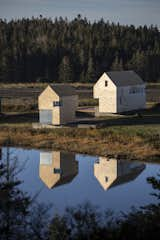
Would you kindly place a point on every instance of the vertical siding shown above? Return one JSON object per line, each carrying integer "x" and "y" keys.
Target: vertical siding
{"x": 105, "y": 172}
{"x": 69, "y": 165}
{"x": 114, "y": 99}
{"x": 68, "y": 109}
{"x": 65, "y": 162}
{"x": 107, "y": 95}
{"x": 45, "y": 102}
{"x": 49, "y": 161}
{"x": 62, "y": 114}
{"x": 108, "y": 102}
{"x": 127, "y": 101}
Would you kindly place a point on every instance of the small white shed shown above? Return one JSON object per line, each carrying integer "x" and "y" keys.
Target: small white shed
{"x": 57, "y": 104}
{"x": 120, "y": 91}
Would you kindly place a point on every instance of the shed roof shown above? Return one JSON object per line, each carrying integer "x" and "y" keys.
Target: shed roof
{"x": 125, "y": 78}
{"x": 63, "y": 89}
{"x": 128, "y": 177}
{"x": 64, "y": 180}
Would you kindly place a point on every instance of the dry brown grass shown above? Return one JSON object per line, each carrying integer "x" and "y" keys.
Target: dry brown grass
{"x": 101, "y": 142}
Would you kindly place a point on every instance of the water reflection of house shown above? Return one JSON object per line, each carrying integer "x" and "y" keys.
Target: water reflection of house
{"x": 0, "y": 153}
{"x": 112, "y": 172}
{"x": 57, "y": 168}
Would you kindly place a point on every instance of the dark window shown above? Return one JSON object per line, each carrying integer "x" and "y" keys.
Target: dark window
{"x": 57, "y": 104}
{"x": 136, "y": 90}
{"x": 106, "y": 179}
{"x": 57, "y": 170}
{"x": 97, "y": 161}
{"x": 106, "y": 83}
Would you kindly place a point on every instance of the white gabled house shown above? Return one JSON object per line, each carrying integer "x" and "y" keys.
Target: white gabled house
{"x": 119, "y": 91}
{"x": 57, "y": 104}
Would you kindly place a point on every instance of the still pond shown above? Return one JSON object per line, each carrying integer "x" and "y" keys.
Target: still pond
{"x": 67, "y": 179}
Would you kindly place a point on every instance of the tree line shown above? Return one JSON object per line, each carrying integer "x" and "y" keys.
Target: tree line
{"x": 40, "y": 49}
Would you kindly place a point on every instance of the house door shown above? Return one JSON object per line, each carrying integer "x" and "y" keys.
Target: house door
{"x": 45, "y": 116}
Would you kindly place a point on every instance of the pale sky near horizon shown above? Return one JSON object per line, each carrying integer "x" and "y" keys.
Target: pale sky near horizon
{"x": 136, "y": 12}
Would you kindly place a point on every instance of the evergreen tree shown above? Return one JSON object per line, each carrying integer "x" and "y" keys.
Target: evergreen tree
{"x": 65, "y": 70}
{"x": 14, "y": 204}
{"x": 39, "y": 48}
{"x": 117, "y": 65}
{"x": 20, "y": 216}
{"x": 139, "y": 63}
{"x": 90, "y": 74}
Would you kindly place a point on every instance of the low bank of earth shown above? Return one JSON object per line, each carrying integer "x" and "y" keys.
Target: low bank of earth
{"x": 132, "y": 142}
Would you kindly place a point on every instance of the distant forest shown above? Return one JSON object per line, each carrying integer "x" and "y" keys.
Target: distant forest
{"x": 40, "y": 49}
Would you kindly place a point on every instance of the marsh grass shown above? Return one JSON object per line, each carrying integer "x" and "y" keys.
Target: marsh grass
{"x": 130, "y": 135}
{"x": 135, "y": 142}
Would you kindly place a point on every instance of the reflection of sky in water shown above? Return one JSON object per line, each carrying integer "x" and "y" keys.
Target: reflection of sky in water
{"x": 84, "y": 186}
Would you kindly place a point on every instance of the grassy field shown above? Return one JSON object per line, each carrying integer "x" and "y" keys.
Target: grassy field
{"x": 135, "y": 135}
{"x": 133, "y": 142}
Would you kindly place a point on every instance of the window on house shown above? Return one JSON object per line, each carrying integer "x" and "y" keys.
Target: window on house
{"x": 106, "y": 179}
{"x": 57, "y": 104}
{"x": 106, "y": 83}
{"x": 57, "y": 171}
{"x": 135, "y": 90}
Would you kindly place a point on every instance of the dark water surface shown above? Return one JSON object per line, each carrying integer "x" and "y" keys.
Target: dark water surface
{"x": 67, "y": 179}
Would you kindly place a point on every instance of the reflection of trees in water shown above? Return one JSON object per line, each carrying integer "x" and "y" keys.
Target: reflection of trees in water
{"x": 23, "y": 218}
{"x": 86, "y": 222}
{"x": 20, "y": 216}
{"x": 0, "y": 153}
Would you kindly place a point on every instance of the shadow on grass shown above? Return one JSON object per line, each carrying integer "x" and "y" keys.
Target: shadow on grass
{"x": 19, "y": 117}
{"x": 139, "y": 117}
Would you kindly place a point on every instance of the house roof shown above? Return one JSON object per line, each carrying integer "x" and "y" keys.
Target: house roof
{"x": 125, "y": 78}
{"x": 128, "y": 177}
{"x": 63, "y": 89}
{"x": 64, "y": 180}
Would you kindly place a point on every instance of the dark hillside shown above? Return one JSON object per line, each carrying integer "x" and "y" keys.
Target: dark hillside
{"x": 39, "y": 49}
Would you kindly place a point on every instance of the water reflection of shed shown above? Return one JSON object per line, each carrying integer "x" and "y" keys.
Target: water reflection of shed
{"x": 57, "y": 168}
{"x": 0, "y": 153}
{"x": 113, "y": 172}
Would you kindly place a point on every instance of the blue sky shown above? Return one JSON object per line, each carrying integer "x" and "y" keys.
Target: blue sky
{"x": 137, "y": 12}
